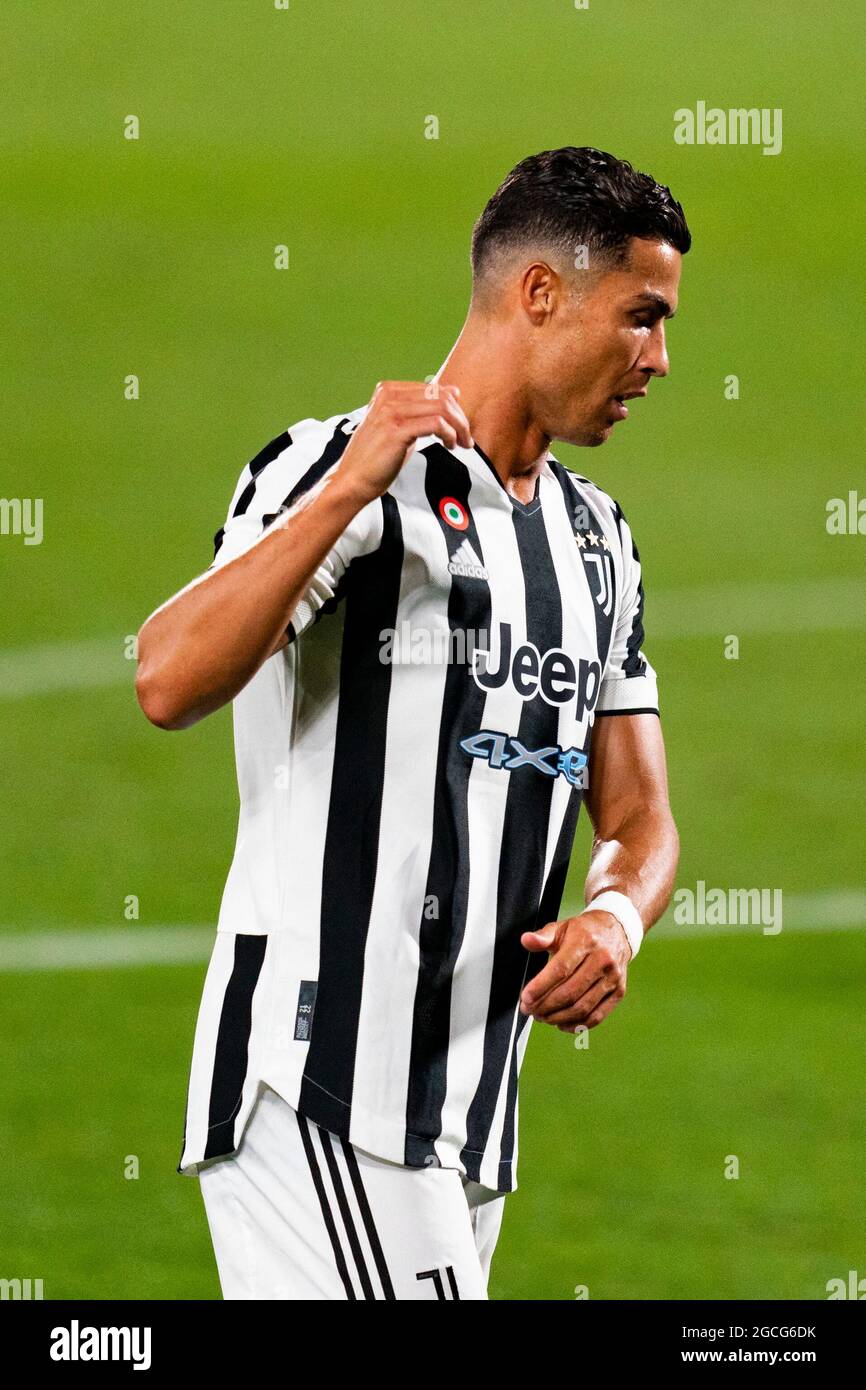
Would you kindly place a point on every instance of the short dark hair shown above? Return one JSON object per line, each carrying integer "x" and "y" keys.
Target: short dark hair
{"x": 577, "y": 196}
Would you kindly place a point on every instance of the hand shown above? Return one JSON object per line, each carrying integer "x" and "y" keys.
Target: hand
{"x": 400, "y": 413}
{"x": 585, "y": 976}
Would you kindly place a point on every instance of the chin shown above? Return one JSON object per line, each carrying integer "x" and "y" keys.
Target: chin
{"x": 586, "y": 438}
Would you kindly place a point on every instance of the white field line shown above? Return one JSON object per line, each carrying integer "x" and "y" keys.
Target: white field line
{"x": 808, "y": 605}
{"x": 101, "y": 948}
{"x": 842, "y": 909}
{"x": 819, "y": 605}
{"x": 57, "y": 666}
{"x": 98, "y": 948}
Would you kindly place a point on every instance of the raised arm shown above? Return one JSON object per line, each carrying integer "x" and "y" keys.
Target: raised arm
{"x": 200, "y": 649}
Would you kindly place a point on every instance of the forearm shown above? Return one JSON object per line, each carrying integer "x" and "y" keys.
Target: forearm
{"x": 638, "y": 858}
{"x": 199, "y": 649}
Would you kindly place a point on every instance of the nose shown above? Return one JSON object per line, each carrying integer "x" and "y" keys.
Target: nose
{"x": 655, "y": 359}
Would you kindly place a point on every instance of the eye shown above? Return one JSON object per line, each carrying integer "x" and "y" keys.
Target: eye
{"x": 643, "y": 320}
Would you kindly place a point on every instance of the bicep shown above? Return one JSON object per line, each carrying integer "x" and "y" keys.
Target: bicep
{"x": 627, "y": 770}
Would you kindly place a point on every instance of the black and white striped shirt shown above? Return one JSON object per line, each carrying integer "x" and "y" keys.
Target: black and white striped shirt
{"x": 410, "y": 770}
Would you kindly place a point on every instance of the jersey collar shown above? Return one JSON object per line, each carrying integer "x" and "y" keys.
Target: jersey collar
{"x": 481, "y": 465}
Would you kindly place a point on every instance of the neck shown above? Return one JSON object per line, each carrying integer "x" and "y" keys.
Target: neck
{"x": 485, "y": 364}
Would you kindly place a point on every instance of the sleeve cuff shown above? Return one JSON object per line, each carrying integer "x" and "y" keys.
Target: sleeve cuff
{"x": 628, "y": 695}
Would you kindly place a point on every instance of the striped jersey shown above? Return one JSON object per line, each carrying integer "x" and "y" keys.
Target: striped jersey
{"x": 410, "y": 766}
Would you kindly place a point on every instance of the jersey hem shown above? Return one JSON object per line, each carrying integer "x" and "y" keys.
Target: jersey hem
{"x": 363, "y": 1130}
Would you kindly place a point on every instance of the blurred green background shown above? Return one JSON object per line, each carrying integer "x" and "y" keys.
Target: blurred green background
{"x": 305, "y": 127}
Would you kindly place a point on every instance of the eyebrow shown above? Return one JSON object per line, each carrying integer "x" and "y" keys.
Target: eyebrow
{"x": 659, "y": 301}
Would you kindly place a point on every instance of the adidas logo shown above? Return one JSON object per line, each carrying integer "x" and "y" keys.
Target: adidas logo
{"x": 466, "y": 563}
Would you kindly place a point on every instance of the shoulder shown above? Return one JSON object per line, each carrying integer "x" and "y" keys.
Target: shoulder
{"x": 603, "y": 508}
{"x": 286, "y": 467}
{"x": 307, "y": 440}
{"x": 294, "y": 459}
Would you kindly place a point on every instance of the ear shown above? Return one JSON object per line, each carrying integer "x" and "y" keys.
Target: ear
{"x": 541, "y": 288}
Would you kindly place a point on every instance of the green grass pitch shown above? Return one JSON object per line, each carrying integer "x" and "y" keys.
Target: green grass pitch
{"x": 305, "y": 127}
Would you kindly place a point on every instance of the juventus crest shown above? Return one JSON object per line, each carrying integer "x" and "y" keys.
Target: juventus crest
{"x": 595, "y": 553}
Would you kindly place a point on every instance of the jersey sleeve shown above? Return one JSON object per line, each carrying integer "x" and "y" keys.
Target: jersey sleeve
{"x": 290, "y": 467}
{"x": 629, "y": 685}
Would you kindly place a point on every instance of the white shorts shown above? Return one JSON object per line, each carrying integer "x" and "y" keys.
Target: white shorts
{"x": 298, "y": 1213}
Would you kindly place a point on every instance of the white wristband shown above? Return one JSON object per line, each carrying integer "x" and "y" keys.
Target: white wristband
{"x": 625, "y": 912}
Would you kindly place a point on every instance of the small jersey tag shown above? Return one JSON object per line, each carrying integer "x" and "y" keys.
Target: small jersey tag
{"x": 306, "y": 1005}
